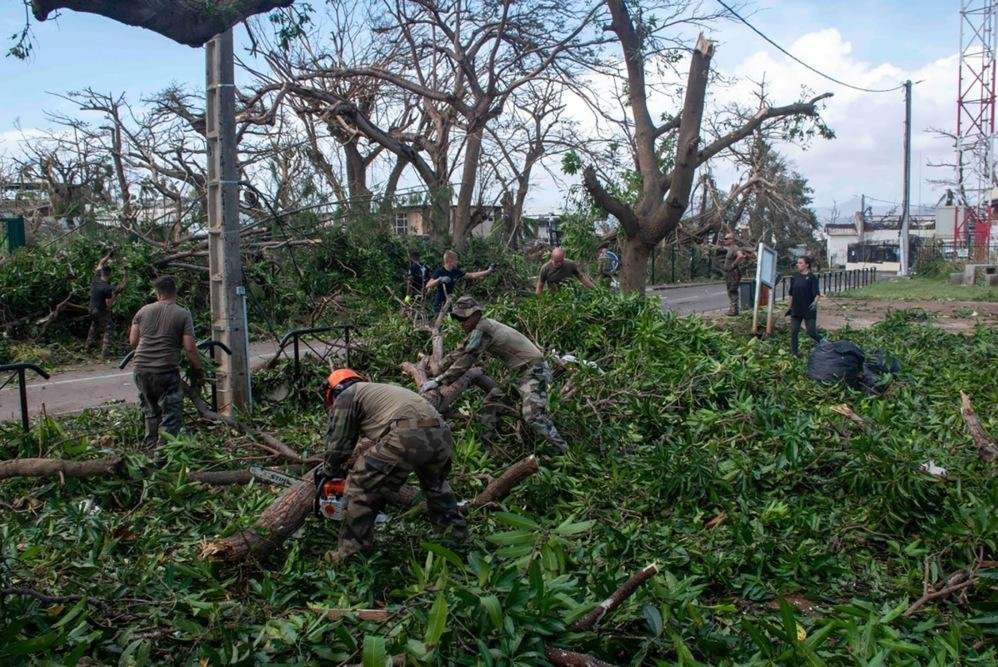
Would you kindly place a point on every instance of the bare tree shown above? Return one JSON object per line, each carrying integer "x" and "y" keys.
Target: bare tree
{"x": 665, "y": 188}
{"x": 463, "y": 60}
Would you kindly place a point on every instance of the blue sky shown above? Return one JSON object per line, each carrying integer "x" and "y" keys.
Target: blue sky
{"x": 875, "y": 42}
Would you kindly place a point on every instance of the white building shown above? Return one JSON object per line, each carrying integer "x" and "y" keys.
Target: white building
{"x": 875, "y": 242}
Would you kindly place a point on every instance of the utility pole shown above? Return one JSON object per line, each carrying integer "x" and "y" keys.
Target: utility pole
{"x": 906, "y": 198}
{"x": 228, "y": 307}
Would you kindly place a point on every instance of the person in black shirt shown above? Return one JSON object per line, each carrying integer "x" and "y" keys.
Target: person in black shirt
{"x": 446, "y": 277}
{"x": 417, "y": 276}
{"x": 101, "y": 297}
{"x": 803, "y": 301}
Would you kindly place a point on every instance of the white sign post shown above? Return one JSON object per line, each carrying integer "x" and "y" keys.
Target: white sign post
{"x": 765, "y": 274}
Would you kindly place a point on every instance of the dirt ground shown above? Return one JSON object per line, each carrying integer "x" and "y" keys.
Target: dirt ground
{"x": 834, "y": 314}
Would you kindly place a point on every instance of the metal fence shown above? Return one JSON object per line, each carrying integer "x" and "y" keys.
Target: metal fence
{"x": 834, "y": 281}
{"x": 960, "y": 252}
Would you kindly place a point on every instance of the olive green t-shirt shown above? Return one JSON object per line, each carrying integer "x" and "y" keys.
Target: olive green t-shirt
{"x": 554, "y": 275}
{"x": 162, "y": 327}
{"x": 515, "y": 349}
{"x": 382, "y": 404}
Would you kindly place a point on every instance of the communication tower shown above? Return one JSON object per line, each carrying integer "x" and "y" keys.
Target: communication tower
{"x": 975, "y": 124}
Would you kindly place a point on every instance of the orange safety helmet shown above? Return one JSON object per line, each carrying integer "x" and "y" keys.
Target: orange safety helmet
{"x": 335, "y": 379}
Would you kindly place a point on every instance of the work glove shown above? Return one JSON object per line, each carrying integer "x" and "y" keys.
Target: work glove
{"x": 787, "y": 314}
{"x": 429, "y": 385}
{"x": 196, "y": 378}
{"x": 446, "y": 280}
{"x": 814, "y": 306}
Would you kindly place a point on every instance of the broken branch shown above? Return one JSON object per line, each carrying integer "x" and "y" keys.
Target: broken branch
{"x": 608, "y": 605}
{"x": 501, "y": 486}
{"x": 269, "y": 442}
{"x": 562, "y": 658}
{"x": 106, "y": 467}
{"x": 986, "y": 447}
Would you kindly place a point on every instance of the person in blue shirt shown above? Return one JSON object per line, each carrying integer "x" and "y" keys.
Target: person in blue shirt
{"x": 803, "y": 301}
{"x": 445, "y": 279}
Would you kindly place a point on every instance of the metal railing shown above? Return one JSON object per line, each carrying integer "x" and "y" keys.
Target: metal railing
{"x": 834, "y": 281}
{"x": 19, "y": 370}
{"x": 299, "y": 336}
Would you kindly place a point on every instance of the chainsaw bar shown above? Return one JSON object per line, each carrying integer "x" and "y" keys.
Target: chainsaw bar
{"x": 273, "y": 476}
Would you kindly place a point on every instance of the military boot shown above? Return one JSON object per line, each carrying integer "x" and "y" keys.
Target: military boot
{"x": 152, "y": 432}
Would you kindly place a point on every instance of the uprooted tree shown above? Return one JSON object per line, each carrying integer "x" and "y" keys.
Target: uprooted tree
{"x": 665, "y": 188}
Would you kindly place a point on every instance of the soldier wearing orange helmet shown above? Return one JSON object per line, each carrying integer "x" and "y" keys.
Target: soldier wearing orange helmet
{"x": 410, "y": 436}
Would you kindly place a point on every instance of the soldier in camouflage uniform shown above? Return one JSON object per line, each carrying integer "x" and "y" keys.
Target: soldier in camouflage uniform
{"x": 518, "y": 353}
{"x": 410, "y": 436}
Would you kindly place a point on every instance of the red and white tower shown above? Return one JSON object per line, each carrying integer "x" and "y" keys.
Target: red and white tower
{"x": 975, "y": 123}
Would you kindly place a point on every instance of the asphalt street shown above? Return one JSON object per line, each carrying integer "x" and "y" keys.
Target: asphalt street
{"x": 90, "y": 386}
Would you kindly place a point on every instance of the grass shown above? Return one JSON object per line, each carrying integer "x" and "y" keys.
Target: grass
{"x": 923, "y": 289}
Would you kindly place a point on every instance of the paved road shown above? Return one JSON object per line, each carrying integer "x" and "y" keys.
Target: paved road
{"x": 91, "y": 386}
{"x": 693, "y": 299}
{"x": 88, "y": 386}
{"x": 708, "y": 296}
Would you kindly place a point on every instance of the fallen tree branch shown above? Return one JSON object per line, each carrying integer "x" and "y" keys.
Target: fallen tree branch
{"x": 502, "y": 485}
{"x": 562, "y": 658}
{"x": 957, "y": 581}
{"x": 282, "y": 518}
{"x": 847, "y": 412}
{"x": 375, "y": 615}
{"x": 608, "y": 605}
{"x": 106, "y": 467}
{"x": 986, "y": 447}
{"x": 271, "y": 443}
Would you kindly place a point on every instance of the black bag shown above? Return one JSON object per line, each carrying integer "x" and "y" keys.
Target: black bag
{"x": 878, "y": 370}
{"x": 838, "y": 361}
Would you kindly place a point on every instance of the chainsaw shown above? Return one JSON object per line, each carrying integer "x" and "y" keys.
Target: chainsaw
{"x": 329, "y": 504}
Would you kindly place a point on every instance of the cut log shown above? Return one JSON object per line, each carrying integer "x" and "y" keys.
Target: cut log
{"x": 986, "y": 447}
{"x": 501, "y": 486}
{"x": 562, "y": 658}
{"x": 607, "y": 606}
{"x": 269, "y": 442}
{"x": 284, "y": 516}
{"x": 111, "y": 466}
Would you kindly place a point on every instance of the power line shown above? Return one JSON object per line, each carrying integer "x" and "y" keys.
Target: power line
{"x": 801, "y": 62}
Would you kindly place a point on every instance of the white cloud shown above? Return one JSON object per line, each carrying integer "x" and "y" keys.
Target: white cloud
{"x": 866, "y": 155}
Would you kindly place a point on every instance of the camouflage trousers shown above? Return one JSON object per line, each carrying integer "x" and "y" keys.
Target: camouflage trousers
{"x": 162, "y": 400}
{"x": 100, "y": 324}
{"x": 731, "y": 281}
{"x": 533, "y": 387}
{"x": 382, "y": 471}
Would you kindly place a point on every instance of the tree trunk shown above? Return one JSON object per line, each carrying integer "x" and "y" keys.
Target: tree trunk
{"x": 462, "y": 214}
{"x": 107, "y": 467}
{"x": 437, "y": 224}
{"x": 634, "y": 264}
{"x": 360, "y": 195}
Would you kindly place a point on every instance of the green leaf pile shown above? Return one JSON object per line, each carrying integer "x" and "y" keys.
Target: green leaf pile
{"x": 785, "y": 533}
